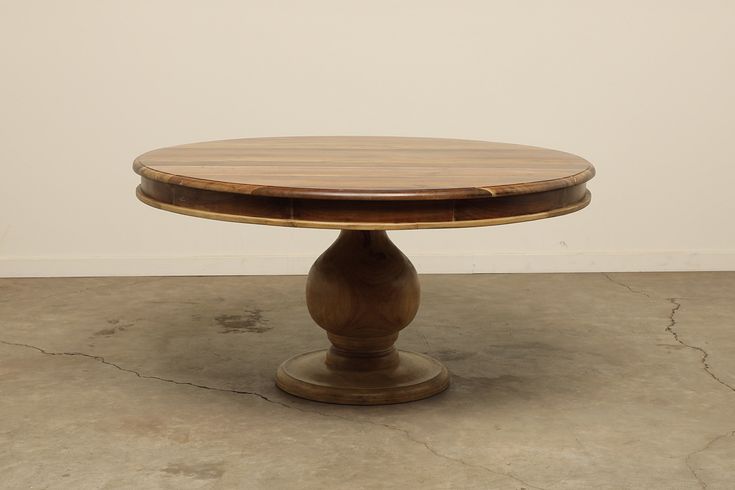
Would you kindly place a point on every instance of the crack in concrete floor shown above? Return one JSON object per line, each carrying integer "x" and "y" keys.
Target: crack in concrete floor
{"x": 705, "y": 355}
{"x": 405, "y": 432}
{"x": 627, "y": 286}
{"x": 676, "y": 306}
{"x": 709, "y": 444}
{"x": 671, "y": 328}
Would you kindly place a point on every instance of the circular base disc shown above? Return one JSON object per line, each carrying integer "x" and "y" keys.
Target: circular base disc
{"x": 417, "y": 376}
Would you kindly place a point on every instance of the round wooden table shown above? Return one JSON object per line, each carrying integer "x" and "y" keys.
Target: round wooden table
{"x": 363, "y": 290}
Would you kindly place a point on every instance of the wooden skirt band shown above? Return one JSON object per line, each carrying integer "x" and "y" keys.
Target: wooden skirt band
{"x": 362, "y": 214}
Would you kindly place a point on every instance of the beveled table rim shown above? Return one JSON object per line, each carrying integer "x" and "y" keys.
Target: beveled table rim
{"x": 480, "y": 191}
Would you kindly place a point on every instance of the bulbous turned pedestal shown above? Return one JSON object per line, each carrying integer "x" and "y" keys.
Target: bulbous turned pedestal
{"x": 362, "y": 290}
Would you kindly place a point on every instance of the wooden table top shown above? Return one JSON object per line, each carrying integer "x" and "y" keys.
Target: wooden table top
{"x": 361, "y": 182}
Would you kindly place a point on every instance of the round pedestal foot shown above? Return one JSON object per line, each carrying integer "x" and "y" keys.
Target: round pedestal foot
{"x": 416, "y": 376}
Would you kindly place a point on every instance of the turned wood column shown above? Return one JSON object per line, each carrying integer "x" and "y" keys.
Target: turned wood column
{"x": 362, "y": 290}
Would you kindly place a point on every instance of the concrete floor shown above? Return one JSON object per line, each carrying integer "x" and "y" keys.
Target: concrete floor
{"x": 559, "y": 381}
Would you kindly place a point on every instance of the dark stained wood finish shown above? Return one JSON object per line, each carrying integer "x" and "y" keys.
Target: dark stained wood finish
{"x": 362, "y": 290}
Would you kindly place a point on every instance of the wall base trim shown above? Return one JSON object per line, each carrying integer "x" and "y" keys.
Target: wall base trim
{"x": 427, "y": 263}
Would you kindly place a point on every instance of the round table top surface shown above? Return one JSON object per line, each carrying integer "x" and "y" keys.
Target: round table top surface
{"x": 364, "y": 182}
{"x": 365, "y": 167}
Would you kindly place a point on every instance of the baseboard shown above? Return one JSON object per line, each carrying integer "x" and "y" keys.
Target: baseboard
{"x": 427, "y": 263}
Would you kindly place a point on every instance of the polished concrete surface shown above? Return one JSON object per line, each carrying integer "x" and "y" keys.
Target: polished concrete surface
{"x": 559, "y": 381}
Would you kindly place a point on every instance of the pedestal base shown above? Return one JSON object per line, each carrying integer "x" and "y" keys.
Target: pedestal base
{"x": 362, "y": 290}
{"x": 416, "y": 376}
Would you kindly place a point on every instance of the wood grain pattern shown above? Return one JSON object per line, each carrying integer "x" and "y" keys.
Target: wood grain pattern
{"x": 388, "y": 168}
{"x": 380, "y": 183}
{"x": 362, "y": 290}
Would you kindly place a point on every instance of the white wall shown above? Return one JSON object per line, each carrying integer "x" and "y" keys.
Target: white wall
{"x": 643, "y": 89}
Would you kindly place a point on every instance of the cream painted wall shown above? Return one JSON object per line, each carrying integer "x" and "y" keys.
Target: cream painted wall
{"x": 643, "y": 89}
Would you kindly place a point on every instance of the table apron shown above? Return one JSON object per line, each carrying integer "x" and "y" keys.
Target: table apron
{"x": 362, "y": 214}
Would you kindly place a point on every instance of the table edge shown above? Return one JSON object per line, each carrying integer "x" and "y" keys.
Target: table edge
{"x": 367, "y": 194}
